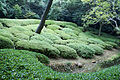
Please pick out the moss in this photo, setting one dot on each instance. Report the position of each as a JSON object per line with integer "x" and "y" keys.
{"x": 82, "y": 50}
{"x": 5, "y": 43}
{"x": 63, "y": 35}
{"x": 98, "y": 50}
{"x": 54, "y": 27}
{"x": 38, "y": 46}
{"x": 66, "y": 52}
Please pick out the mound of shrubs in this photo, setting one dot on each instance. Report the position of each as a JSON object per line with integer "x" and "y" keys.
{"x": 83, "y": 50}
{"x": 66, "y": 52}
{"x": 22, "y": 65}
{"x": 6, "y": 43}
{"x": 38, "y": 46}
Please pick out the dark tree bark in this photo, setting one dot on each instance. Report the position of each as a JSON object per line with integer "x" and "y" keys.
{"x": 41, "y": 25}
{"x": 99, "y": 34}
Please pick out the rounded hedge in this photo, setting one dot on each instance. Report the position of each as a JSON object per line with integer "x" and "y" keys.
{"x": 38, "y": 46}
{"x": 5, "y": 43}
{"x": 66, "y": 52}
{"x": 83, "y": 50}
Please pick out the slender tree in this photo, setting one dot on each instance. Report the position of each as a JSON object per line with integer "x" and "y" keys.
{"x": 41, "y": 25}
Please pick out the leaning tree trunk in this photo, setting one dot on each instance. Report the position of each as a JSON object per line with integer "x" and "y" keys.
{"x": 41, "y": 25}
{"x": 99, "y": 34}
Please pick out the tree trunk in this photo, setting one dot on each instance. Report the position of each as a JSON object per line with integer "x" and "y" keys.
{"x": 41, "y": 25}
{"x": 100, "y": 29}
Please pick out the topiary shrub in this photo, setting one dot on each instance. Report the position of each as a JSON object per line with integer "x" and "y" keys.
{"x": 70, "y": 32}
{"x": 7, "y": 34}
{"x": 98, "y": 50}
{"x": 83, "y": 50}
{"x": 38, "y": 46}
{"x": 65, "y": 42}
{"x": 51, "y": 36}
{"x": 54, "y": 27}
{"x": 21, "y": 36}
{"x": 41, "y": 38}
{"x": 5, "y": 43}
{"x": 63, "y": 35}
{"x": 112, "y": 44}
{"x": 66, "y": 52}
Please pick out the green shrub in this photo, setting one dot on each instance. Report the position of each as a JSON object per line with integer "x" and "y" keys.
{"x": 66, "y": 52}
{"x": 113, "y": 44}
{"x": 51, "y": 36}
{"x": 38, "y": 46}
{"x": 25, "y": 66}
{"x": 60, "y": 23}
{"x": 54, "y": 27}
{"x": 21, "y": 36}
{"x": 63, "y": 35}
{"x": 7, "y": 34}
{"x": 70, "y": 32}
{"x": 107, "y": 46}
{"x": 1, "y": 26}
{"x": 65, "y": 42}
{"x": 41, "y": 38}
{"x": 98, "y": 50}
{"x": 42, "y": 58}
{"x": 5, "y": 43}
{"x": 82, "y": 50}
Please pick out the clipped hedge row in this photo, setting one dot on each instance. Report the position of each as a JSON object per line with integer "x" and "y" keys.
{"x": 6, "y": 43}
{"x": 66, "y": 52}
{"x": 38, "y": 46}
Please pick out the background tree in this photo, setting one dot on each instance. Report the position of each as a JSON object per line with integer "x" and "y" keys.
{"x": 102, "y": 12}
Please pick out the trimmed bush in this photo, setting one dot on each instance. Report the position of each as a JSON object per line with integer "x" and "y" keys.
{"x": 54, "y": 27}
{"x": 51, "y": 36}
{"x": 66, "y": 52}
{"x": 38, "y": 46}
{"x": 98, "y": 50}
{"x": 42, "y": 58}
{"x": 113, "y": 44}
{"x": 63, "y": 35}
{"x": 7, "y": 34}
{"x": 65, "y": 42}
{"x": 21, "y": 36}
{"x": 70, "y": 32}
{"x": 41, "y": 38}
{"x": 82, "y": 50}
{"x": 5, "y": 43}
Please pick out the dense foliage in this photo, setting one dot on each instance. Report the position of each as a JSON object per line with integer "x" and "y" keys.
{"x": 23, "y": 65}
{"x": 57, "y": 39}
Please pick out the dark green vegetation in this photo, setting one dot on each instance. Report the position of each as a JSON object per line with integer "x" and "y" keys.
{"x": 57, "y": 40}
{"x": 20, "y": 64}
